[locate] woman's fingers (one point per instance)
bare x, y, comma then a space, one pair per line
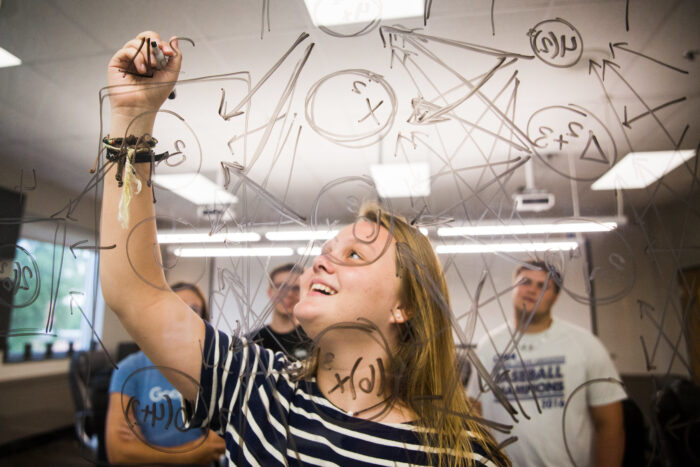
137, 51
131, 52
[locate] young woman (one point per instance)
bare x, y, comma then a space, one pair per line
382, 388
140, 424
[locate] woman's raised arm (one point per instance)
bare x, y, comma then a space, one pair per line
133, 283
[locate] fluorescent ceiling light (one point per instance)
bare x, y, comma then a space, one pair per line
7, 59
401, 180
300, 235
218, 252
195, 188
337, 12
641, 169
305, 251
506, 247
204, 237
524, 229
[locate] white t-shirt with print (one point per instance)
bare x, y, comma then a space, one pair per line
557, 361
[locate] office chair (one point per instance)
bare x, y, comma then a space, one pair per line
90, 372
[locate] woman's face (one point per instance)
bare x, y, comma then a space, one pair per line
355, 277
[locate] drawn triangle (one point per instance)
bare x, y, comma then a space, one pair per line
593, 152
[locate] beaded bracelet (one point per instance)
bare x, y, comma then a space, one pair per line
125, 152
117, 148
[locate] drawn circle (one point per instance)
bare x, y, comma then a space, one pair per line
589, 146
20, 276
361, 107
185, 150
556, 42
132, 253
364, 13
352, 190
380, 382
163, 407
617, 274
566, 407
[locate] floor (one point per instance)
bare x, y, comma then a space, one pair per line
57, 449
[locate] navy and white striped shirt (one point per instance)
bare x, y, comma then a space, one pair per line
247, 396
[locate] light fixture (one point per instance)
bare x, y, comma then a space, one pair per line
337, 12
195, 188
527, 229
300, 235
305, 251
240, 252
641, 169
204, 237
401, 180
7, 59
506, 247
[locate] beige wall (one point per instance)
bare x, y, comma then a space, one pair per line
35, 397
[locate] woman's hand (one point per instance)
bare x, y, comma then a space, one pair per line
138, 94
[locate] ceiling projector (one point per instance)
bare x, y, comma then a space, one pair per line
533, 201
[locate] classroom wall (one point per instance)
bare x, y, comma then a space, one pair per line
35, 396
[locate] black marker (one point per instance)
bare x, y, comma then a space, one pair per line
161, 59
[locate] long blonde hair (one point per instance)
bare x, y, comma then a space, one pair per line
429, 383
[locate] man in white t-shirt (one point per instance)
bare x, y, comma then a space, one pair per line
566, 368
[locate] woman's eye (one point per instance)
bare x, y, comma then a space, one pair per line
354, 255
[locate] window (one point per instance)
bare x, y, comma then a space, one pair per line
49, 287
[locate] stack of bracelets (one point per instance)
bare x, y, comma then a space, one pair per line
138, 150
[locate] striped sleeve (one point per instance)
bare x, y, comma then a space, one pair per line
240, 390
216, 362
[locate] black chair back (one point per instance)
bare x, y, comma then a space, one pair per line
90, 373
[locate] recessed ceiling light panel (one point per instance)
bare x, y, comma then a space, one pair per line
7, 59
338, 12
401, 180
195, 188
641, 169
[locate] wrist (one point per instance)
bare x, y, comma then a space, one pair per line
135, 121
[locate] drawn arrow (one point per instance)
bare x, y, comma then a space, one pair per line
592, 64
411, 140
608, 63
621, 46
239, 171
627, 121
237, 109
76, 246
73, 302
642, 101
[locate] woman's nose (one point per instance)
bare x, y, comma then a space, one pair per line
323, 263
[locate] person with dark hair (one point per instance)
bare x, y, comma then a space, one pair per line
552, 360
144, 416
283, 333
194, 297
676, 421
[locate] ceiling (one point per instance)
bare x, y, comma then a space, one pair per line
466, 93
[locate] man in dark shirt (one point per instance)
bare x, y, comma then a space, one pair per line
283, 333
